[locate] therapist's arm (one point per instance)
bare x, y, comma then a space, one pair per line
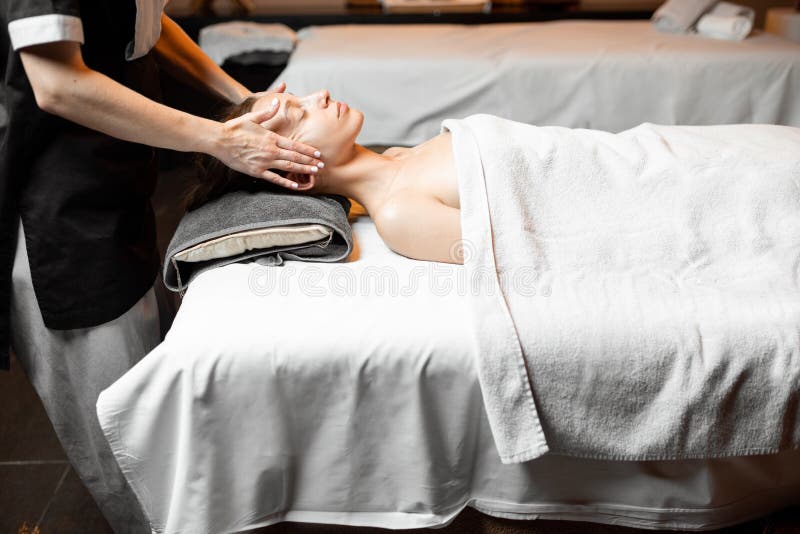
63, 85
178, 55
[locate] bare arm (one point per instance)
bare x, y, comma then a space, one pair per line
63, 85
183, 59
421, 227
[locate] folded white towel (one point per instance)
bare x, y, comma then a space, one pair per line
678, 16
727, 21
221, 41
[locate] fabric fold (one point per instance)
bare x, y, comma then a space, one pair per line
505, 384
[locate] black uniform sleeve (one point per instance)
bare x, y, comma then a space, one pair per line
32, 22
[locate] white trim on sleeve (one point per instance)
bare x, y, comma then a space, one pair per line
45, 29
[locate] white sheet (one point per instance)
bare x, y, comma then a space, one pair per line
607, 75
330, 400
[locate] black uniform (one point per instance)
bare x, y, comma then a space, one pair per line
83, 196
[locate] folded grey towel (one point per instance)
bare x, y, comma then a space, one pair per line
227, 39
678, 16
239, 211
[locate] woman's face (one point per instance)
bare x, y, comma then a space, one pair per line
315, 119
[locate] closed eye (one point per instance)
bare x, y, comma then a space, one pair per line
291, 110
297, 111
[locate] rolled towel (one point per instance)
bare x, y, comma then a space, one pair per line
678, 16
221, 41
727, 21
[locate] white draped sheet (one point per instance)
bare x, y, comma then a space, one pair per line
325, 399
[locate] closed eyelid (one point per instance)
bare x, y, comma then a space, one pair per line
291, 104
285, 110
288, 118
295, 105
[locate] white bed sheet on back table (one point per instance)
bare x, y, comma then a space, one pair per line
607, 75
319, 399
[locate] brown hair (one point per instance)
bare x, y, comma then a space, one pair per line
214, 178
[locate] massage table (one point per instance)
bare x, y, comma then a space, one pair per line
607, 75
347, 394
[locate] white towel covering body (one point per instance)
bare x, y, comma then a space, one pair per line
636, 296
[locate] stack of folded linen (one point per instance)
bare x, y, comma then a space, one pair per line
708, 18
228, 39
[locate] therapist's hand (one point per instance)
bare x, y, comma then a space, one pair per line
252, 149
280, 88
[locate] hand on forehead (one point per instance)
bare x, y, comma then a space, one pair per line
289, 119
282, 118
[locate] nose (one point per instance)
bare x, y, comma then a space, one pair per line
319, 98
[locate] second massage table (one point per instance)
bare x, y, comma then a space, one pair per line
606, 75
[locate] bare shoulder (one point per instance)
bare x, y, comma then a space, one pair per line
403, 204
419, 226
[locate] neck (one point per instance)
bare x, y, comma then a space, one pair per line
365, 176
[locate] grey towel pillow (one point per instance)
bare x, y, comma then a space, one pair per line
238, 212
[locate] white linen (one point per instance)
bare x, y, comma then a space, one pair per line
335, 401
648, 287
727, 21
608, 75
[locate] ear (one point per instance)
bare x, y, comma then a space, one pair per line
304, 181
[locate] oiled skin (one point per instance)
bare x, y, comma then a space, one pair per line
421, 217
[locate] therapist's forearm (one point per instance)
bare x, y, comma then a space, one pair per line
184, 60
65, 87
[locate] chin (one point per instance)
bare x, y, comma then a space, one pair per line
358, 122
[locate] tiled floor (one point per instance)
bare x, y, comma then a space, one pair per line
40, 493
38, 488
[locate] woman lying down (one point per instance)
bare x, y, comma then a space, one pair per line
649, 195
655, 271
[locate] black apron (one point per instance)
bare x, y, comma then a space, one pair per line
84, 197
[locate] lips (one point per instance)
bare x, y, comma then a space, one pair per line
341, 108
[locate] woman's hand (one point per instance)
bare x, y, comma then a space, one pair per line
250, 148
280, 88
